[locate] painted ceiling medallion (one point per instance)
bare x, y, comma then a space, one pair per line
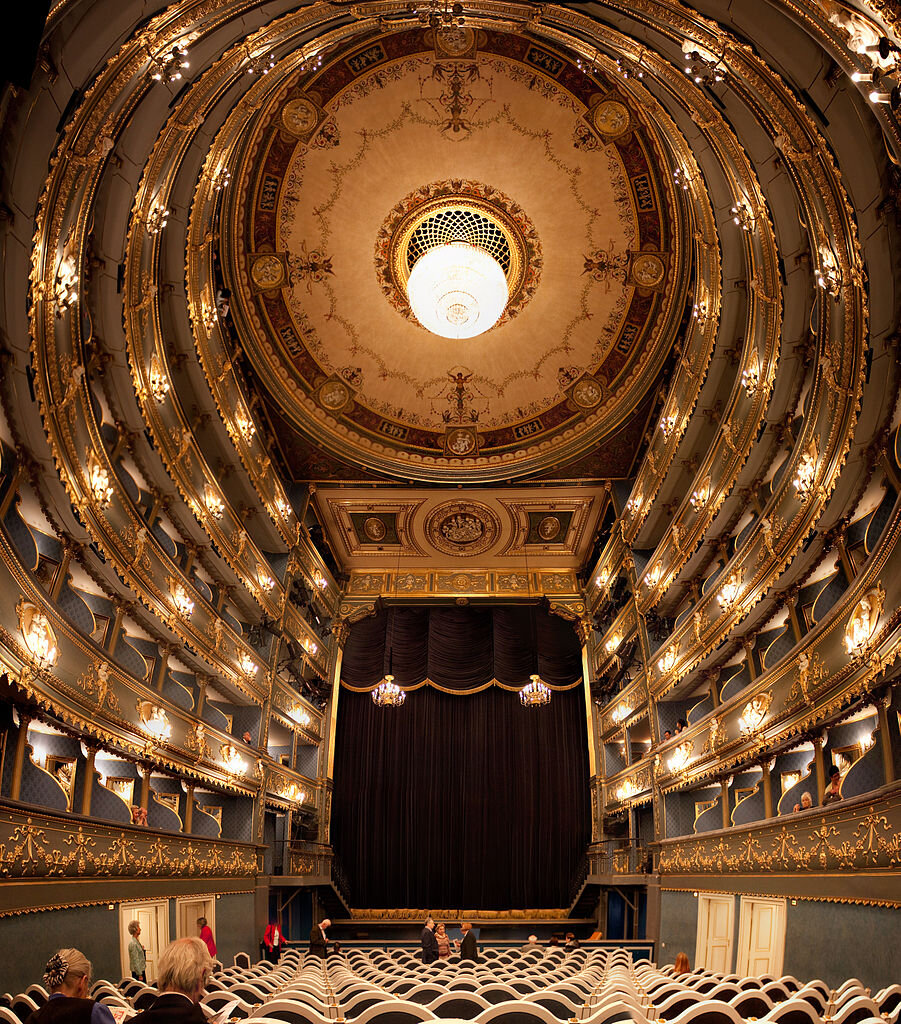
462, 528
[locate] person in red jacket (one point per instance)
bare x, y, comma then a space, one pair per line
272, 940
206, 934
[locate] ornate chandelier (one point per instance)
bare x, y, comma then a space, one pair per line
535, 694
388, 694
457, 290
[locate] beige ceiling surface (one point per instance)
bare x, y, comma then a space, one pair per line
395, 138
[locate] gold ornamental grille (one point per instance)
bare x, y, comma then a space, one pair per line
459, 224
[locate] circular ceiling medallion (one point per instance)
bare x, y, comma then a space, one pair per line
267, 271
647, 270
374, 529
300, 116
444, 212
611, 118
549, 528
462, 528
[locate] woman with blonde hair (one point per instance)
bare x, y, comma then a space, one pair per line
137, 955
68, 980
444, 945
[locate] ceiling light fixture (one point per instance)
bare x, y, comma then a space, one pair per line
159, 382
535, 694
388, 694
99, 481
457, 290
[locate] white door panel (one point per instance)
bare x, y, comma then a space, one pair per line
716, 916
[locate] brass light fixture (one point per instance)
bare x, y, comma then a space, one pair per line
159, 382
99, 481
535, 694
38, 634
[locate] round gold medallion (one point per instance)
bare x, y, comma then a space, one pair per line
611, 118
647, 270
300, 116
268, 271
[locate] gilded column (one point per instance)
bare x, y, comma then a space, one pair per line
885, 738
19, 757
819, 766
189, 809
724, 786
88, 787
340, 631
767, 786
145, 788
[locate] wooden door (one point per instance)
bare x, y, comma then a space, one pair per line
761, 942
154, 921
716, 916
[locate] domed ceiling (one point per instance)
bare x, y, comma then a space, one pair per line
345, 162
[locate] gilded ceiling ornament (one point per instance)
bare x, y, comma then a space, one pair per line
461, 441
95, 682
334, 395
647, 270
809, 674
455, 41
196, 743
268, 271
300, 116
611, 118
462, 528
374, 529
549, 528
605, 265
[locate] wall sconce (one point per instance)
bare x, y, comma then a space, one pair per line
265, 581
682, 178
65, 289
154, 721
754, 713
181, 598
668, 425
666, 662
805, 475
613, 643
864, 619
38, 634
750, 375
99, 481
221, 179
247, 665
294, 792
297, 714
244, 424
620, 713
700, 313
214, 503
602, 578
625, 791
310, 646
319, 581
701, 496
634, 503
168, 66
728, 594
742, 216
159, 382
282, 508
157, 219
261, 64
680, 756
209, 317
701, 66
655, 573
828, 276
231, 759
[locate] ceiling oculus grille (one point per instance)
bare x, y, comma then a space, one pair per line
457, 257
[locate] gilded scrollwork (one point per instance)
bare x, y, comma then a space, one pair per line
37, 846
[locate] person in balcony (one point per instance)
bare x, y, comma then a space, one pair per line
68, 980
805, 804
137, 955
834, 789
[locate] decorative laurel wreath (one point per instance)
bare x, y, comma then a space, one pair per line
56, 971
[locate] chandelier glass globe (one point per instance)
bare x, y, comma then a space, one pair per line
457, 290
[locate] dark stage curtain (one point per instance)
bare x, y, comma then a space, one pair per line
462, 648
469, 802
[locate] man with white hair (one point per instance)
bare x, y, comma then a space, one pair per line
181, 977
533, 943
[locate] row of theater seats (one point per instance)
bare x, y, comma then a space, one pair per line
509, 987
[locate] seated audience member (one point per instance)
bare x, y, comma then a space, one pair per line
138, 815
667, 735
533, 943
444, 946
680, 725
554, 941
834, 789
682, 965
67, 978
805, 804
571, 941
137, 955
181, 976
